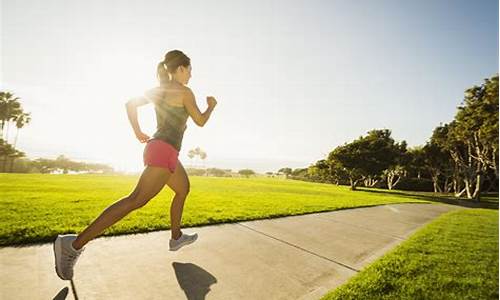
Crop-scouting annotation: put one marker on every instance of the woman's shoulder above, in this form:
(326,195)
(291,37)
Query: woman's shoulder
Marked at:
(175,90)
(172,94)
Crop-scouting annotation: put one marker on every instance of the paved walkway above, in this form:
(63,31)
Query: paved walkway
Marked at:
(298,257)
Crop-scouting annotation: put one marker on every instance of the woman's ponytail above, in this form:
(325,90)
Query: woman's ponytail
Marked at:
(162,73)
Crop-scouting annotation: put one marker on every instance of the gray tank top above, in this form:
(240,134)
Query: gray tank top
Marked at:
(171,121)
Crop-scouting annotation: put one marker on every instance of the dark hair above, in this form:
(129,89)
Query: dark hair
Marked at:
(173,59)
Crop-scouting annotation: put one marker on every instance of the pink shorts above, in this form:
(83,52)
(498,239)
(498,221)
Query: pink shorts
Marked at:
(158,153)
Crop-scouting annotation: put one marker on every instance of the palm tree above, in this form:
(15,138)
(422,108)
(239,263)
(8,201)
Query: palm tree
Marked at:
(21,120)
(197,151)
(203,155)
(191,154)
(10,108)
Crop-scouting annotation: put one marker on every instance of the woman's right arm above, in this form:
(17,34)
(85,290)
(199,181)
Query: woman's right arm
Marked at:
(131,106)
(150,96)
(192,108)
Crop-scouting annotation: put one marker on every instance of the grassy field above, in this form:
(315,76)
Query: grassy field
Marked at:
(453,257)
(35,207)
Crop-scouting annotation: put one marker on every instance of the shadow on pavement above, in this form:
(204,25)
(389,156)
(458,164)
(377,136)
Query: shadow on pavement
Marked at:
(63,293)
(443,199)
(194,280)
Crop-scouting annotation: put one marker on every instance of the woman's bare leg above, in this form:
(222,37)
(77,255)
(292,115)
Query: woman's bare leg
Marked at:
(152,180)
(179,183)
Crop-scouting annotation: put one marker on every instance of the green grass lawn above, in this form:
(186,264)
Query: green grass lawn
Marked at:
(36,207)
(453,257)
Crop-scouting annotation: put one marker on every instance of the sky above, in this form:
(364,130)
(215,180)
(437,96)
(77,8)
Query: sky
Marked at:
(293,79)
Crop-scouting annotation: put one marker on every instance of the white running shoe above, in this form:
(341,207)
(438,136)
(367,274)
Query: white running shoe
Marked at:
(65,255)
(183,240)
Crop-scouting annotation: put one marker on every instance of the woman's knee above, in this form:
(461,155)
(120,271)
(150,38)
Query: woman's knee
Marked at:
(184,191)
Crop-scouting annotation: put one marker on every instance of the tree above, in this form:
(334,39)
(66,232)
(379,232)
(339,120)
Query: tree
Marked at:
(416,161)
(437,160)
(320,171)
(218,172)
(21,120)
(191,155)
(299,172)
(286,171)
(246,172)
(197,152)
(473,135)
(367,157)
(392,173)
(398,168)
(10,108)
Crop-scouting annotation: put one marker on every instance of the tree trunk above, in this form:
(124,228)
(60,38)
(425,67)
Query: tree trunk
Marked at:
(448,187)
(353,184)
(389,181)
(2,123)
(467,188)
(457,186)
(445,186)
(369,182)
(394,184)
(11,164)
(481,169)
(494,164)
(470,170)
(437,188)
(460,193)
(4,164)
(477,191)
(15,139)
(7,133)
(435,183)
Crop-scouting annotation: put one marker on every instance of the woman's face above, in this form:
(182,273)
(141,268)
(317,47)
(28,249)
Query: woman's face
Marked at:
(184,74)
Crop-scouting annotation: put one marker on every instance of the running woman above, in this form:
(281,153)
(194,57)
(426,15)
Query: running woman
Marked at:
(174,102)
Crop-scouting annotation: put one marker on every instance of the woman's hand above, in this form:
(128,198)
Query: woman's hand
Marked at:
(211,101)
(142,137)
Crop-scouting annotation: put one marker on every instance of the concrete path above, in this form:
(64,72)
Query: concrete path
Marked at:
(298,257)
